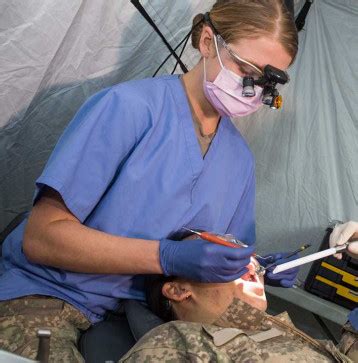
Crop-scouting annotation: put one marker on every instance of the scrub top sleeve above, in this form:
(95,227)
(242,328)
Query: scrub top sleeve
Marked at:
(94,146)
(242,225)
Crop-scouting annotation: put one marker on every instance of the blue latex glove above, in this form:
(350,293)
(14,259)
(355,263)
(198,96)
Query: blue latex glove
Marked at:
(203,261)
(353,318)
(283,279)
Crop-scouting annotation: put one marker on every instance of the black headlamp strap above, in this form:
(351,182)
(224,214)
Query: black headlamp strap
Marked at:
(207,20)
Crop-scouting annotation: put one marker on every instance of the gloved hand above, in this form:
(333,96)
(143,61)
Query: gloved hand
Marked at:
(353,318)
(343,233)
(203,261)
(283,279)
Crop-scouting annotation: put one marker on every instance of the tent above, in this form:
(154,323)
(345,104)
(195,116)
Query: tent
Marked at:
(55,54)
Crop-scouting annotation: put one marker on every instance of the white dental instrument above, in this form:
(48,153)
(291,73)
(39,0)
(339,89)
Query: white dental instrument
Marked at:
(309,258)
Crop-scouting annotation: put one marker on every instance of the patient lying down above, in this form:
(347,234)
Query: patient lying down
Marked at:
(227,322)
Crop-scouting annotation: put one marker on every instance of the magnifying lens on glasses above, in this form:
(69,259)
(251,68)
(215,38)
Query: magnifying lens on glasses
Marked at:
(269,80)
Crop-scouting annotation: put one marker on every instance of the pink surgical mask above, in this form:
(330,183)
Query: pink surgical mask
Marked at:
(225,93)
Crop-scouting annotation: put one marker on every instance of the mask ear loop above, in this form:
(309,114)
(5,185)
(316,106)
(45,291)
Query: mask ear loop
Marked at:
(217,52)
(204,69)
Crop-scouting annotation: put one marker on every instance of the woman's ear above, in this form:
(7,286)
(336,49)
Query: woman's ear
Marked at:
(176,291)
(206,41)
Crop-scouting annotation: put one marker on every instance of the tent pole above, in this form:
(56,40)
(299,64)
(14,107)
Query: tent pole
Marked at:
(141,9)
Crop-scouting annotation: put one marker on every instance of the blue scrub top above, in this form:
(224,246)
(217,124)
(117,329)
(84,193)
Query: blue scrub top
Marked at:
(130,164)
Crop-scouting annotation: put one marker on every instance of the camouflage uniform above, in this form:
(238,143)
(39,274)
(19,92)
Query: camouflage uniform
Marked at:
(21,318)
(349,342)
(242,334)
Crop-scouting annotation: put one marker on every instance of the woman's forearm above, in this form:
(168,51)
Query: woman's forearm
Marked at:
(55,237)
(72,246)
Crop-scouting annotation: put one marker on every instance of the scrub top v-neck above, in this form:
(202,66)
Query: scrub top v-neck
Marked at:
(196,157)
(204,140)
(129,164)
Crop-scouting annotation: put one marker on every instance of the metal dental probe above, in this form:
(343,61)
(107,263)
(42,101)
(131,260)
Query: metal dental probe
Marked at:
(309,258)
(302,248)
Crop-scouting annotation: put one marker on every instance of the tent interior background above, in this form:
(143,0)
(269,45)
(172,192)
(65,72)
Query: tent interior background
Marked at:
(55,54)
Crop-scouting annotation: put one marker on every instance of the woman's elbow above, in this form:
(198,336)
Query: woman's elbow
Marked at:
(31,247)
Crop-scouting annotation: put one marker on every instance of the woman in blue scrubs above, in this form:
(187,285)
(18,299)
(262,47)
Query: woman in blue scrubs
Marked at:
(140,161)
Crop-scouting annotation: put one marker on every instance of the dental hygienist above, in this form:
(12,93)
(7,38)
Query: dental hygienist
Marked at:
(139,161)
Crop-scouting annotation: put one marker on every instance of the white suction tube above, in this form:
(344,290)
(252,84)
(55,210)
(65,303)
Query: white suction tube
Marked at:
(309,258)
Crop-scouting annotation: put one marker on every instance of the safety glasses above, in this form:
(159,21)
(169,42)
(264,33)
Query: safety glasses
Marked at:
(247,68)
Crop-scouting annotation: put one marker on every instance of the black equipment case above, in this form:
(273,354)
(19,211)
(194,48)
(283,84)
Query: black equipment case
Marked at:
(333,279)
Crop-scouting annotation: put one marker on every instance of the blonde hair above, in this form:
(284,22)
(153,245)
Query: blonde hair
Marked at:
(245,19)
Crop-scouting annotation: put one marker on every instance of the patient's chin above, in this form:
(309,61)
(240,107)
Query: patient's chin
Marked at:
(252,292)
(261,305)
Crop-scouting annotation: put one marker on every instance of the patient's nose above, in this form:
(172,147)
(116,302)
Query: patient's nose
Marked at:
(251,268)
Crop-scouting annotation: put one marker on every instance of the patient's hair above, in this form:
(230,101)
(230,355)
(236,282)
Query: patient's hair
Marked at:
(157,302)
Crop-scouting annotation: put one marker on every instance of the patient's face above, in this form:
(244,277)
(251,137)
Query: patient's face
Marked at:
(249,288)
(212,299)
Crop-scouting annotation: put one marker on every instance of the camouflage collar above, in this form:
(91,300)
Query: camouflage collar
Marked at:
(241,315)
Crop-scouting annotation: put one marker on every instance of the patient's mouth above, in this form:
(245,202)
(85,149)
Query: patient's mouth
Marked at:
(250,276)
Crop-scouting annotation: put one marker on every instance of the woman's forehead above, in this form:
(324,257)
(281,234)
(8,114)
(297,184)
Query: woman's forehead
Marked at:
(262,51)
